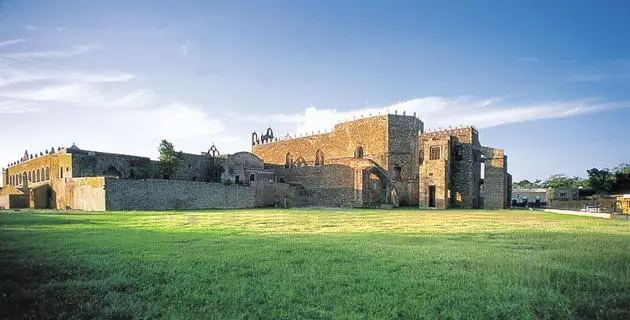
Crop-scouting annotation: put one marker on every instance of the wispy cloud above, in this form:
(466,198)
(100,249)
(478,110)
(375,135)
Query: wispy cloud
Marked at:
(597,77)
(14,107)
(174,120)
(83,95)
(76,51)
(30,27)
(440,112)
(184,48)
(10,42)
(14,76)
(528,59)
(593,77)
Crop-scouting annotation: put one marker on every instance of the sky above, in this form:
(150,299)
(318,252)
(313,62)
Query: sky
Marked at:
(547,81)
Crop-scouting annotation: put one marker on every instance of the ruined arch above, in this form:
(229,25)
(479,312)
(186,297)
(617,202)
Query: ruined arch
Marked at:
(300,162)
(288,160)
(254,138)
(319,157)
(112,172)
(358,152)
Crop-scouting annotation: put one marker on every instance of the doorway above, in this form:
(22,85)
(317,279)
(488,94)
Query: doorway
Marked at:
(431,196)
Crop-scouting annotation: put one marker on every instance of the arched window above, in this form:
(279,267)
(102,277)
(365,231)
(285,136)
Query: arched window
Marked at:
(358,152)
(29,177)
(39,176)
(21,178)
(11,181)
(47,175)
(252,177)
(288,160)
(319,158)
(61,172)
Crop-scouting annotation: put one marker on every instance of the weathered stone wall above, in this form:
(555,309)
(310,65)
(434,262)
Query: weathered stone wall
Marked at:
(150,194)
(326,186)
(280,195)
(465,165)
(435,172)
(495,179)
(369,133)
(92,164)
(39,196)
(83,193)
(235,167)
(403,153)
(13,201)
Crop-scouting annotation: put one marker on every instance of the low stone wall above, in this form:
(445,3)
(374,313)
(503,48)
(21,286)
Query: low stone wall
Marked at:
(13,201)
(324,186)
(153,194)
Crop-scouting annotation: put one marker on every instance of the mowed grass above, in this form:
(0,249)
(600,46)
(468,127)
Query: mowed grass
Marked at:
(313,264)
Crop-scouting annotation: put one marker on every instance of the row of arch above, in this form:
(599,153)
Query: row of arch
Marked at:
(32,176)
(319,158)
(301,162)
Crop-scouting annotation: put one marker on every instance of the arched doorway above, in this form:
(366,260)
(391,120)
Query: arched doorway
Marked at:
(112,172)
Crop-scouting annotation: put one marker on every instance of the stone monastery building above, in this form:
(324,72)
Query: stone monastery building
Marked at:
(379,161)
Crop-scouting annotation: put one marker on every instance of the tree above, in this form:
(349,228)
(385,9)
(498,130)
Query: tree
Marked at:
(562,181)
(602,181)
(622,178)
(168,158)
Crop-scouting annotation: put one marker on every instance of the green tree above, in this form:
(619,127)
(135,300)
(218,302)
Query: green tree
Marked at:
(601,180)
(622,178)
(563,181)
(168,158)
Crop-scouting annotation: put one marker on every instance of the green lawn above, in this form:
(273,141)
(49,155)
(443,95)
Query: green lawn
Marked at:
(313,264)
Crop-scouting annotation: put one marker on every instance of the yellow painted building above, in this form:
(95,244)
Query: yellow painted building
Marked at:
(623,203)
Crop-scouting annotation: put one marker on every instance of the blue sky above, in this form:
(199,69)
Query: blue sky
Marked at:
(545,80)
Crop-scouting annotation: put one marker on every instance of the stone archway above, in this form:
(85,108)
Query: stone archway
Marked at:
(112,172)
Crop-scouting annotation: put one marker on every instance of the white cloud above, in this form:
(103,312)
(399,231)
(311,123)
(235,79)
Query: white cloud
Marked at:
(75,51)
(184,48)
(14,107)
(10,42)
(9,76)
(84,95)
(528,59)
(438,112)
(172,121)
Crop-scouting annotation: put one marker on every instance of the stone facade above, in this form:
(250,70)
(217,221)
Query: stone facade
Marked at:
(380,161)
(451,175)
(389,142)
(154,194)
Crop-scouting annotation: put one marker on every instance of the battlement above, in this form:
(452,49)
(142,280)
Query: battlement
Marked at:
(27,157)
(451,131)
(268,137)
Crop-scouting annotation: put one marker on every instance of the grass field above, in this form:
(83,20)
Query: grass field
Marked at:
(313,264)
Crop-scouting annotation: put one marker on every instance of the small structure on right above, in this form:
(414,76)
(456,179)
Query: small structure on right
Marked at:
(457,171)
